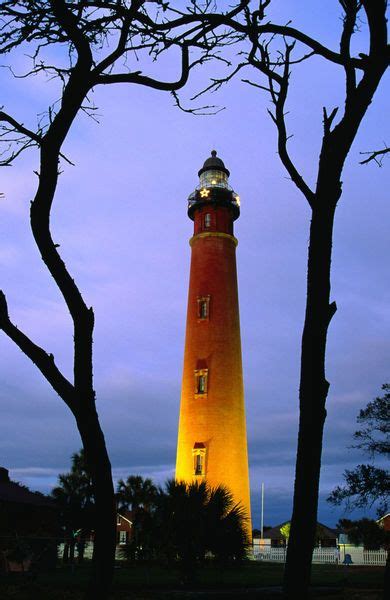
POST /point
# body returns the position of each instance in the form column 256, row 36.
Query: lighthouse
column 212, row 441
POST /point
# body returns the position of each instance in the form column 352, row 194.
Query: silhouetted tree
column 194, row 519
column 366, row 532
column 74, row 495
column 136, row 492
column 225, row 526
column 271, row 56
column 374, row 438
column 94, row 43
column 367, row 484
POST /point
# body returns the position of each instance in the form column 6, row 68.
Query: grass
column 152, row 582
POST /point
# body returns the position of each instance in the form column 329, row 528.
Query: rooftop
column 213, row 163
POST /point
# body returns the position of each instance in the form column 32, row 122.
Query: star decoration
column 204, row 193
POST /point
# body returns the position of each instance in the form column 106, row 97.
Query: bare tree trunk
column 336, row 145
column 313, row 393
column 65, row 554
column 81, row 396
column 105, row 510
column 71, row 552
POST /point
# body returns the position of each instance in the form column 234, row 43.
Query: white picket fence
column 88, row 551
column 374, row 557
column 266, row 553
column 358, row 555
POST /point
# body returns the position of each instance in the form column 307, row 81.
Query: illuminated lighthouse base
column 212, row 441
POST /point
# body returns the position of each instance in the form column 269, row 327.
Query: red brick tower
column 212, row 441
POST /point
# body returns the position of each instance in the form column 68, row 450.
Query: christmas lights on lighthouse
column 212, row 441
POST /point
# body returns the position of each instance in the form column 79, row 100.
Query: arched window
column 198, row 464
column 199, row 458
column 203, row 307
column 201, row 377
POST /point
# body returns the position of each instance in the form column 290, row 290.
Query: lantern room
column 214, row 188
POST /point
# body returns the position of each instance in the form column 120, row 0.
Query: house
column 124, row 533
column 276, row 537
column 29, row 526
column 24, row 513
column 384, row 522
column 124, row 527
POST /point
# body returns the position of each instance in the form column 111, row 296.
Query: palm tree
column 136, row 492
column 226, row 526
column 75, row 497
column 193, row 520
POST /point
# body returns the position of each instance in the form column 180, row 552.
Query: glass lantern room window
column 214, row 178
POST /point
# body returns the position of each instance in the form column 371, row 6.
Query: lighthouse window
column 214, row 178
column 199, row 458
column 207, row 220
column 198, row 464
column 203, row 307
column 201, row 382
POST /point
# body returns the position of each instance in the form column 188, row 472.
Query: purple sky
column 120, row 218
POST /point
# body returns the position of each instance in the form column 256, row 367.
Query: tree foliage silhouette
column 194, row 519
column 74, row 495
column 367, row 484
column 138, row 495
column 366, row 532
column 136, row 492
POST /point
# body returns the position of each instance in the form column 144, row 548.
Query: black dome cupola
column 213, row 164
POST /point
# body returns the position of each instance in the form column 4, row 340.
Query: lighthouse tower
column 212, row 443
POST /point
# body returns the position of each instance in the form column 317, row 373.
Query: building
column 24, row 513
column 29, row 526
column 212, row 441
column 124, row 527
column 276, row 537
column 384, row 522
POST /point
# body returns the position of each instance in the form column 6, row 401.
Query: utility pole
column 262, row 511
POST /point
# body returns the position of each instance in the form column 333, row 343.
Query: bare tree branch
column 351, row 9
column 373, row 155
column 140, row 79
column 44, row 362
column 20, row 127
column 279, row 120
column 279, row 96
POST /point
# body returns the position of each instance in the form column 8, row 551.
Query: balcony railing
column 214, row 196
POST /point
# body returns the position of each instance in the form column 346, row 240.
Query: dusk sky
column 120, row 217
